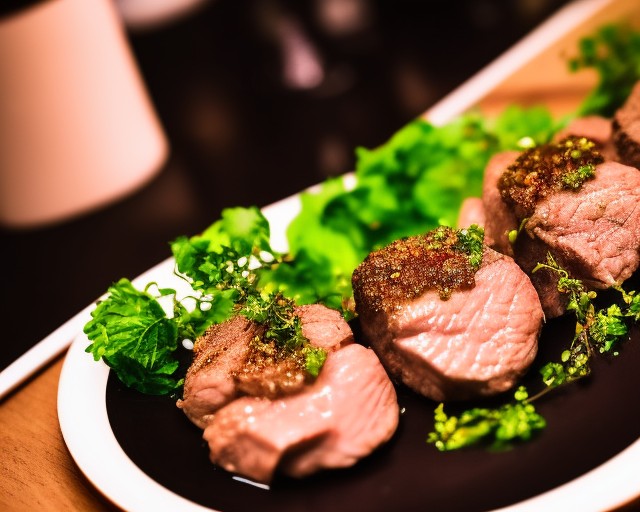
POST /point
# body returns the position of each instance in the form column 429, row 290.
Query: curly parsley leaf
column 233, row 265
column 227, row 253
column 132, row 334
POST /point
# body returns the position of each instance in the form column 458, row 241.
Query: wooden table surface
column 38, row 473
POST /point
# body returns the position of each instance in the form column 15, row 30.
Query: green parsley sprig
column 598, row 331
column 137, row 337
column 230, row 257
column 518, row 421
column 471, row 241
column 131, row 332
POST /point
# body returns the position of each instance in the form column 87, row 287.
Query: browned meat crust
column 476, row 343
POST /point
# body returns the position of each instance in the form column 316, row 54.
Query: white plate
column 85, row 425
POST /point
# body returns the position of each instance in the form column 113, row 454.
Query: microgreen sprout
column 215, row 263
column 514, row 233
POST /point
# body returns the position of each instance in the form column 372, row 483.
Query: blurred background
column 258, row 99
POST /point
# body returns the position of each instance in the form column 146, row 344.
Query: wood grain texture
column 545, row 80
column 37, row 472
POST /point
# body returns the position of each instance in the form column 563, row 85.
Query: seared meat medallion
column 261, row 419
column 219, row 372
column 592, row 231
column 348, row 412
column 594, row 234
column 476, row 342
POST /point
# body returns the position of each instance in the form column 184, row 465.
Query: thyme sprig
column 511, row 422
column 597, row 331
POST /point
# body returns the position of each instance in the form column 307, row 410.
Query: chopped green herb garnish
column 471, row 241
column 132, row 333
column 314, row 359
column 598, row 331
column 277, row 314
column 229, row 258
column 545, row 169
column 574, row 179
column 501, row 427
